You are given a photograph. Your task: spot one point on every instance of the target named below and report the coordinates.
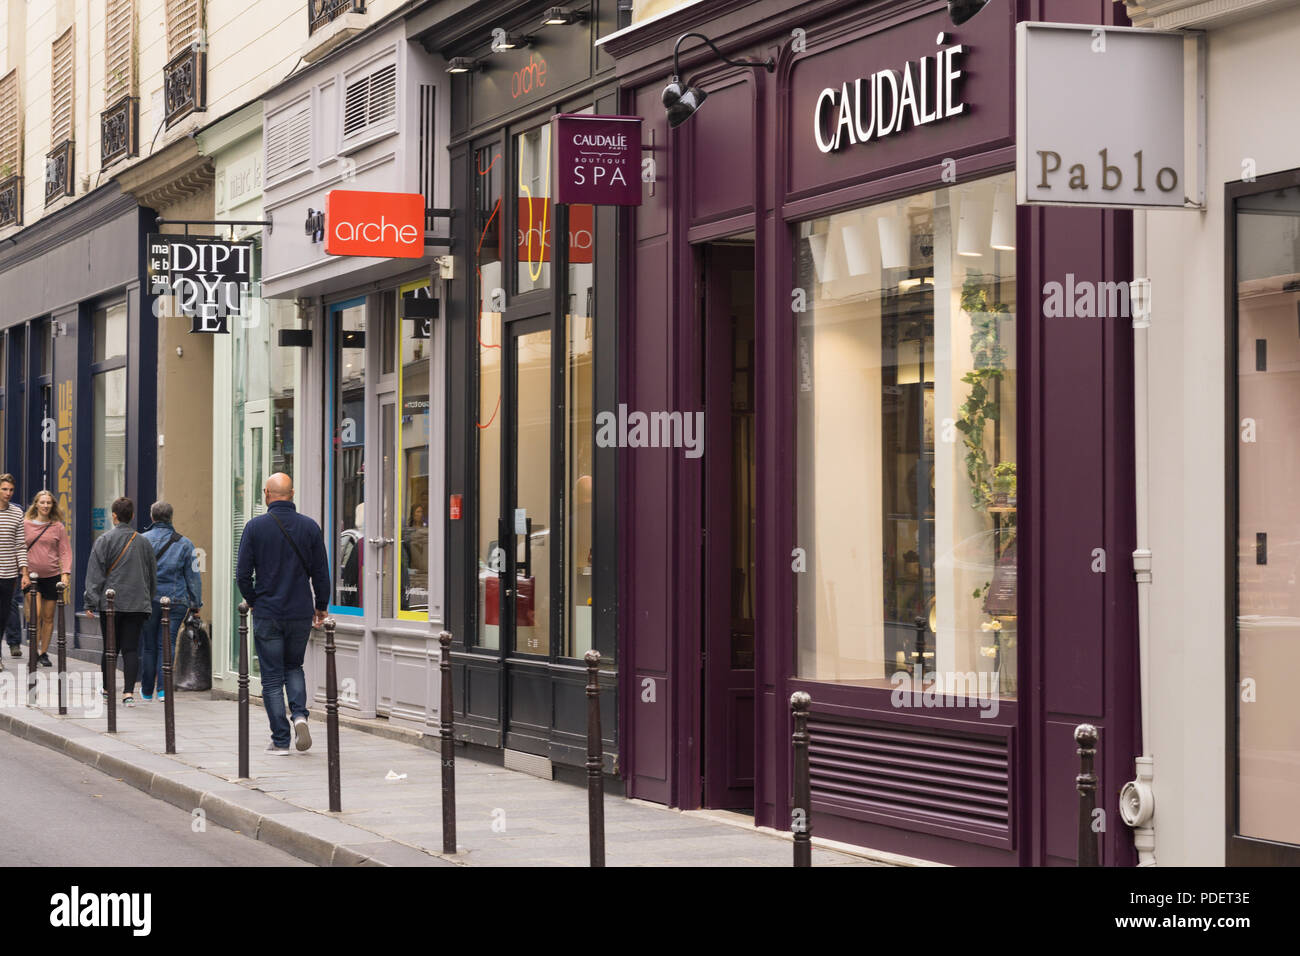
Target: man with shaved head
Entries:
(284, 577)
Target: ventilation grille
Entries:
(288, 141)
(11, 127)
(427, 143)
(183, 23)
(908, 774)
(61, 86)
(119, 50)
(370, 99)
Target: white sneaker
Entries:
(271, 748)
(301, 733)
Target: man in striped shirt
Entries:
(13, 553)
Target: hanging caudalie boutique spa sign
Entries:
(915, 91)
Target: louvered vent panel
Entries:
(288, 141)
(11, 127)
(61, 87)
(184, 18)
(911, 774)
(370, 99)
(119, 50)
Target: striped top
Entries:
(13, 542)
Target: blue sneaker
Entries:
(162, 695)
(145, 697)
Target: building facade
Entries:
(914, 498)
(1225, 607)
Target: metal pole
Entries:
(446, 717)
(243, 690)
(595, 769)
(801, 814)
(169, 715)
(332, 718)
(1085, 735)
(110, 658)
(29, 606)
(63, 647)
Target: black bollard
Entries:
(63, 646)
(29, 608)
(243, 690)
(801, 814)
(169, 715)
(110, 659)
(595, 768)
(446, 733)
(332, 718)
(1085, 735)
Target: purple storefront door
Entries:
(727, 280)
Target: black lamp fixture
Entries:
(559, 17)
(959, 11)
(680, 101)
(463, 64)
(510, 41)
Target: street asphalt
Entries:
(60, 812)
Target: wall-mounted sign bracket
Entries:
(232, 223)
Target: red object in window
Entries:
(525, 615)
(455, 507)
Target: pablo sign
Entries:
(387, 225)
(205, 279)
(598, 159)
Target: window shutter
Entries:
(11, 127)
(119, 50)
(288, 141)
(183, 23)
(61, 87)
(370, 99)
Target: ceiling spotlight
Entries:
(680, 101)
(462, 64)
(959, 11)
(559, 17)
(509, 41)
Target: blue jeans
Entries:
(14, 623)
(281, 646)
(151, 646)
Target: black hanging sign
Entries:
(419, 306)
(204, 278)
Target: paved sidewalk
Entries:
(504, 818)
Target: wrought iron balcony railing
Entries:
(119, 130)
(322, 12)
(185, 84)
(11, 201)
(60, 172)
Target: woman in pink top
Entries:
(49, 558)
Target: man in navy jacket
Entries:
(284, 577)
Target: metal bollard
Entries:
(59, 605)
(332, 718)
(595, 768)
(801, 814)
(169, 715)
(446, 733)
(29, 608)
(110, 659)
(1085, 735)
(243, 690)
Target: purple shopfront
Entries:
(912, 497)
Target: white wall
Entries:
(1252, 78)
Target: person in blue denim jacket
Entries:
(177, 579)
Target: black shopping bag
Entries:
(193, 656)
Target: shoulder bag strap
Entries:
(301, 560)
(121, 553)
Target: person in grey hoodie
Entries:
(123, 560)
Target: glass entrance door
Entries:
(347, 469)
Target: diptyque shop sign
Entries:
(598, 159)
(203, 278)
(1109, 116)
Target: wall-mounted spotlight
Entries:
(502, 41)
(559, 17)
(680, 101)
(959, 11)
(463, 64)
